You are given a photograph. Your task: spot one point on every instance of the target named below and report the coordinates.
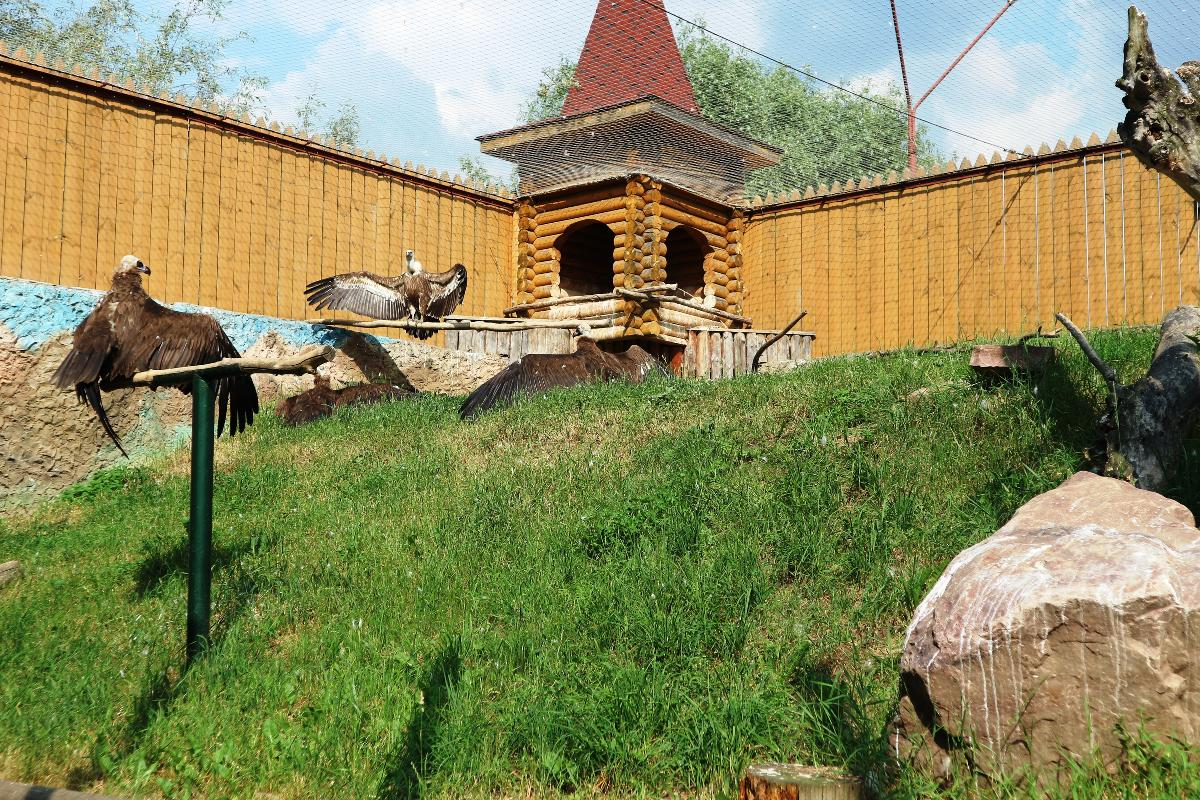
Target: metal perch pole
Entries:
(199, 602)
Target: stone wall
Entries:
(49, 441)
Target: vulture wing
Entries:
(364, 293)
(449, 289)
(91, 349)
(533, 374)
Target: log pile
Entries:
(526, 253)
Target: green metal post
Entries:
(200, 520)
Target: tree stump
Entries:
(797, 782)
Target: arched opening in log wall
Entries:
(686, 248)
(586, 259)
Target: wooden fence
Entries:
(985, 249)
(226, 213)
(241, 216)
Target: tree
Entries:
(163, 54)
(826, 135)
(342, 129)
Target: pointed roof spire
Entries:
(630, 52)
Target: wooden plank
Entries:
(935, 224)
(7, 147)
(295, 268)
(1016, 282)
(974, 207)
(229, 268)
(1070, 259)
(289, 292)
(1095, 274)
(71, 230)
(1148, 219)
(160, 200)
(1046, 234)
(177, 188)
(345, 212)
(206, 150)
(853, 284)
(272, 235)
(127, 236)
(1114, 273)
(55, 135)
(108, 191)
(384, 255)
(16, 173)
(34, 264)
(145, 125)
(890, 247)
(193, 213)
(910, 254)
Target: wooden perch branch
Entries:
(456, 324)
(307, 360)
(758, 353)
(1162, 126)
(1107, 372)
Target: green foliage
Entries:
(622, 590)
(551, 92)
(162, 53)
(826, 135)
(341, 129)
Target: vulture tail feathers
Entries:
(90, 392)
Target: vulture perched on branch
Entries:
(127, 333)
(416, 295)
(537, 374)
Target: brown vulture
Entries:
(321, 400)
(127, 333)
(416, 295)
(537, 374)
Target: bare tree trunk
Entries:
(1147, 421)
(1162, 126)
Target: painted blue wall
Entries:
(34, 312)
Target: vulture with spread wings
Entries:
(539, 373)
(127, 333)
(416, 295)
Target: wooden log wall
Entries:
(227, 213)
(976, 250)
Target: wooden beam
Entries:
(307, 360)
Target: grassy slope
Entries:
(635, 589)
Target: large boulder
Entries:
(1081, 613)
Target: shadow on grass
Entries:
(163, 560)
(406, 773)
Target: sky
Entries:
(428, 76)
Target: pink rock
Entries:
(1082, 611)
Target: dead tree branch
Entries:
(1162, 126)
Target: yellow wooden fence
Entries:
(984, 249)
(241, 216)
(226, 213)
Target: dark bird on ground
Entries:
(127, 333)
(537, 374)
(321, 400)
(416, 295)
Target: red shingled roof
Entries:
(630, 52)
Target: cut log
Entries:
(1162, 126)
(1147, 421)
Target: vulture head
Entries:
(414, 266)
(132, 264)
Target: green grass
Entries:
(626, 590)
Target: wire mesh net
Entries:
(787, 95)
